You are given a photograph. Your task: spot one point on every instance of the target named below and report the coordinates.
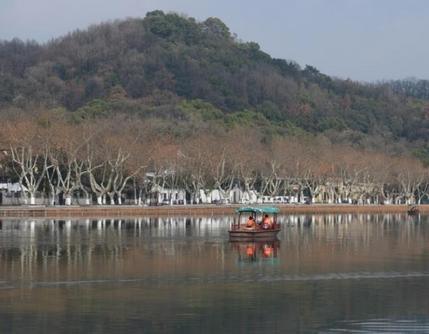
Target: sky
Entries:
(365, 40)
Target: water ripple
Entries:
(381, 326)
(230, 279)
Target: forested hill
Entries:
(167, 65)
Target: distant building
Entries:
(164, 196)
(10, 193)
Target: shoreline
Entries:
(191, 210)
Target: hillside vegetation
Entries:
(169, 66)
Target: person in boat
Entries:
(267, 223)
(251, 224)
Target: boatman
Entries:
(251, 224)
(267, 223)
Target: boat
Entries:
(239, 231)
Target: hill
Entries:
(172, 67)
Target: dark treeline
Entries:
(411, 87)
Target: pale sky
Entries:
(359, 39)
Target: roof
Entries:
(262, 210)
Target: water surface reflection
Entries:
(325, 274)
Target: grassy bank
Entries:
(196, 210)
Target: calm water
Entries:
(327, 274)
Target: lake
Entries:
(326, 274)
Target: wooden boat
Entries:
(239, 231)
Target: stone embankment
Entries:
(191, 210)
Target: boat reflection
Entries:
(256, 251)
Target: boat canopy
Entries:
(262, 210)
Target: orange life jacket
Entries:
(250, 223)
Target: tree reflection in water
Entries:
(181, 274)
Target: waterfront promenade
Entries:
(190, 210)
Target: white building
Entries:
(164, 196)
